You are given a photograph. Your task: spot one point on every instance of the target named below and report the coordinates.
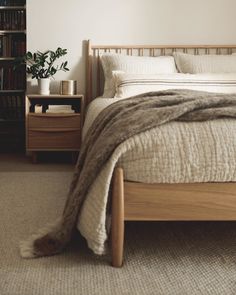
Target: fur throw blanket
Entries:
(113, 126)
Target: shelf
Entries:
(12, 91)
(7, 58)
(12, 121)
(12, 31)
(12, 7)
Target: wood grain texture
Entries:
(167, 202)
(117, 227)
(197, 201)
(53, 139)
(54, 121)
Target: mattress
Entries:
(177, 152)
(95, 107)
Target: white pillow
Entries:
(134, 65)
(194, 64)
(133, 84)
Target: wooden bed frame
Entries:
(164, 202)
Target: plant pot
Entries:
(44, 86)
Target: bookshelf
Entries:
(12, 82)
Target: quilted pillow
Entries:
(133, 84)
(134, 65)
(194, 64)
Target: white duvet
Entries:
(176, 152)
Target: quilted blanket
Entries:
(116, 124)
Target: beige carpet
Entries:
(160, 258)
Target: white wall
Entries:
(66, 23)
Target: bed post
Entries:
(117, 224)
(89, 82)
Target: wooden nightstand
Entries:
(53, 131)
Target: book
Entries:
(38, 109)
(59, 109)
(12, 19)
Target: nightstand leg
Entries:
(34, 158)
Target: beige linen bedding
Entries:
(177, 152)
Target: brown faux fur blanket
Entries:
(114, 125)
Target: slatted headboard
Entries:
(95, 79)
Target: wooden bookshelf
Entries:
(12, 82)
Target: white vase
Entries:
(44, 86)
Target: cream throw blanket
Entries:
(113, 126)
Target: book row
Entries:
(12, 46)
(12, 108)
(12, 2)
(11, 79)
(55, 109)
(12, 20)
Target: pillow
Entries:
(134, 65)
(133, 84)
(194, 64)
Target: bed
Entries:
(168, 154)
(132, 201)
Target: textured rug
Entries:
(160, 258)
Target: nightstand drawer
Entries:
(53, 121)
(54, 139)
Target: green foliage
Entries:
(42, 65)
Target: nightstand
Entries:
(52, 130)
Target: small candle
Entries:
(68, 87)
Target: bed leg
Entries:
(117, 224)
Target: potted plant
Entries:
(41, 66)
